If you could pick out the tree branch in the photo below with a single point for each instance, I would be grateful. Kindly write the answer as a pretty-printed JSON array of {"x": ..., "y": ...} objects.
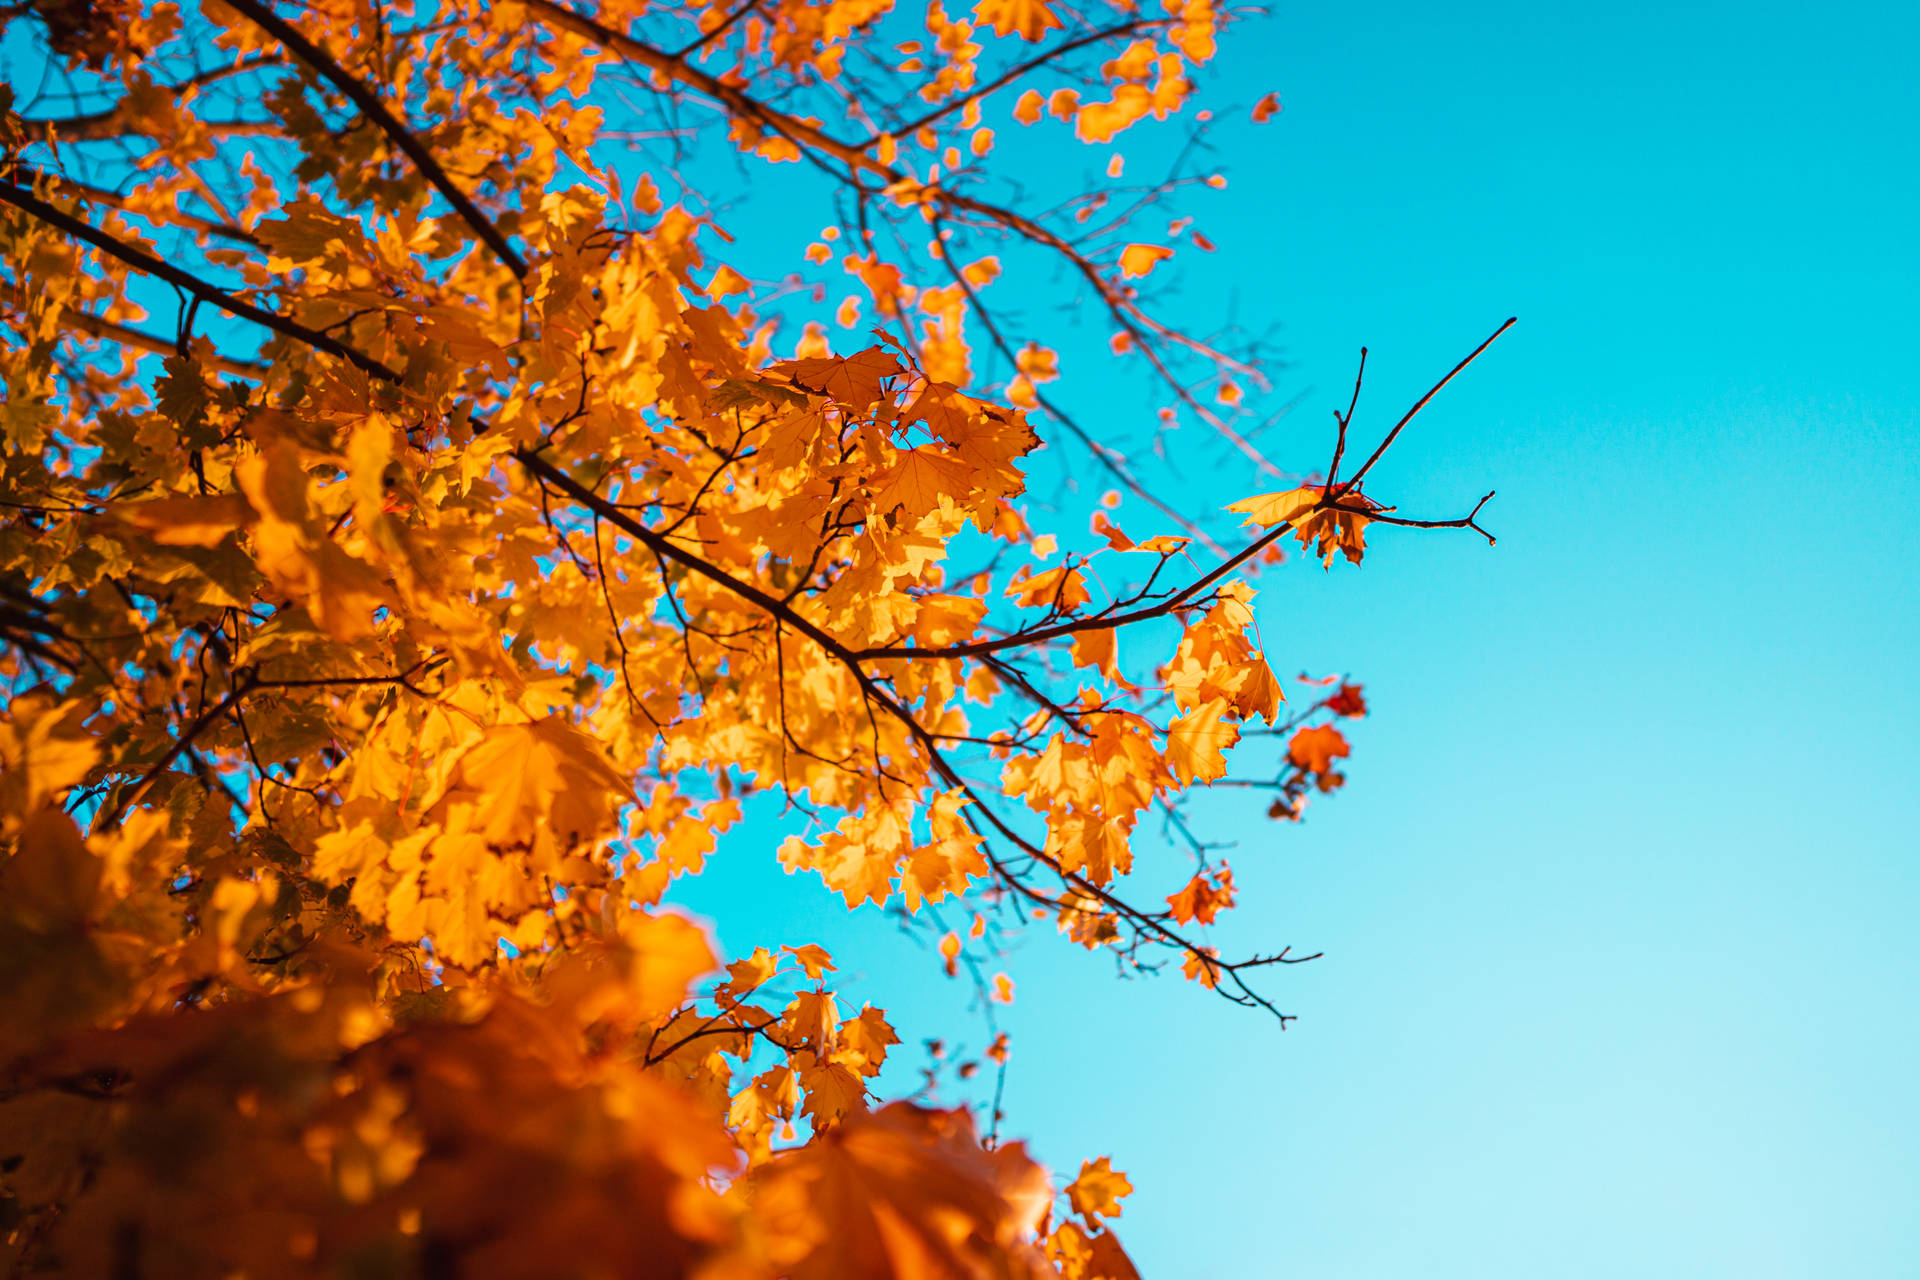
[
  {"x": 141, "y": 260},
  {"x": 373, "y": 109},
  {"x": 119, "y": 120},
  {"x": 126, "y": 204},
  {"x": 110, "y": 331},
  {"x": 1410, "y": 414},
  {"x": 1127, "y": 313}
]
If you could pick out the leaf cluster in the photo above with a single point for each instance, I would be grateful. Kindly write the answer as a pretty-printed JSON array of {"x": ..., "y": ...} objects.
[{"x": 389, "y": 632}]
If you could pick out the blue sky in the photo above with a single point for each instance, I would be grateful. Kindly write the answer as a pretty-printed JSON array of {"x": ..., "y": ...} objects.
[{"x": 1618, "y": 903}]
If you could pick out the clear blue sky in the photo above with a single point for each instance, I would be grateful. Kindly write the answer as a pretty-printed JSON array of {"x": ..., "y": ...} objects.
[{"x": 1619, "y": 904}]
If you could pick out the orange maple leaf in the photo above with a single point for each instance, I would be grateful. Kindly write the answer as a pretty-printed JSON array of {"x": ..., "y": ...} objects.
[
  {"x": 813, "y": 958},
  {"x": 1204, "y": 897},
  {"x": 832, "y": 1091},
  {"x": 1316, "y": 749},
  {"x": 920, "y": 479},
  {"x": 1062, "y": 587},
  {"x": 726, "y": 282},
  {"x": 1028, "y": 19},
  {"x": 855, "y": 381},
  {"x": 1137, "y": 260},
  {"x": 1201, "y": 966},
  {"x": 864, "y": 1041},
  {"x": 1338, "y": 528},
  {"x": 1097, "y": 1192}
]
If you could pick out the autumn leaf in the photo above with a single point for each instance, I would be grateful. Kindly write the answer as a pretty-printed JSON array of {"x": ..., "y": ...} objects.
[
  {"x": 1028, "y": 19},
  {"x": 44, "y": 750},
  {"x": 1315, "y": 749},
  {"x": 1098, "y": 649},
  {"x": 403, "y": 622},
  {"x": 864, "y": 1041},
  {"x": 812, "y": 1022},
  {"x": 1080, "y": 1254},
  {"x": 1202, "y": 967},
  {"x": 1339, "y": 528},
  {"x": 1137, "y": 260},
  {"x": 1266, "y": 109},
  {"x": 726, "y": 282},
  {"x": 919, "y": 480},
  {"x": 831, "y": 1091},
  {"x": 663, "y": 956},
  {"x": 813, "y": 959},
  {"x": 1117, "y": 539},
  {"x": 532, "y": 784},
  {"x": 1347, "y": 702},
  {"x": 1097, "y": 1192},
  {"x": 307, "y": 231},
  {"x": 1196, "y": 741},
  {"x": 792, "y": 437},
  {"x": 1271, "y": 509},
  {"x": 749, "y": 975},
  {"x": 904, "y": 1192},
  {"x": 856, "y": 381},
  {"x": 1061, "y": 589},
  {"x": 1204, "y": 897}
]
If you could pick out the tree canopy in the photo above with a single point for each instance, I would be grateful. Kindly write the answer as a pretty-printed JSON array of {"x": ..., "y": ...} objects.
[{"x": 419, "y": 543}]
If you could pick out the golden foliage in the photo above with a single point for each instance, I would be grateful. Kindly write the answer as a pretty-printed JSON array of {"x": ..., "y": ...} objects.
[{"x": 390, "y": 630}]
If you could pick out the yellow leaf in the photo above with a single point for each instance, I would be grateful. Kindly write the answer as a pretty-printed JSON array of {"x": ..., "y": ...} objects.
[
  {"x": 1196, "y": 741},
  {"x": 750, "y": 974},
  {"x": 726, "y": 282},
  {"x": 1338, "y": 528},
  {"x": 813, "y": 958},
  {"x": 544, "y": 784},
  {"x": 1204, "y": 897},
  {"x": 1061, "y": 589},
  {"x": 1097, "y": 1192}
]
